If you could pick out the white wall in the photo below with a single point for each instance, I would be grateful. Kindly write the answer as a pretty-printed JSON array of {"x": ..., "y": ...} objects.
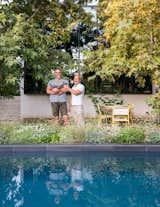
[
  {"x": 9, "y": 108},
  {"x": 38, "y": 106},
  {"x": 140, "y": 103},
  {"x": 33, "y": 106}
]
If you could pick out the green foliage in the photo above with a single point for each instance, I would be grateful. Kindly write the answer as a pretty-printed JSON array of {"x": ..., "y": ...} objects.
[
  {"x": 5, "y": 132},
  {"x": 100, "y": 135},
  {"x": 94, "y": 135},
  {"x": 30, "y": 33},
  {"x": 37, "y": 133},
  {"x": 50, "y": 138},
  {"x": 154, "y": 137},
  {"x": 130, "y": 136},
  {"x": 131, "y": 31},
  {"x": 28, "y": 134},
  {"x": 108, "y": 101},
  {"x": 71, "y": 134},
  {"x": 152, "y": 133},
  {"x": 154, "y": 102}
]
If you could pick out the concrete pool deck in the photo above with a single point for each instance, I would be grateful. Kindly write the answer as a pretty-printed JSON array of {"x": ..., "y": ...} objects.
[{"x": 79, "y": 148}]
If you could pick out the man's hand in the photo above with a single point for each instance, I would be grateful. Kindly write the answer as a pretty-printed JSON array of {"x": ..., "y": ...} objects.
[
  {"x": 51, "y": 90},
  {"x": 75, "y": 92},
  {"x": 65, "y": 88},
  {"x": 55, "y": 90},
  {"x": 60, "y": 93}
]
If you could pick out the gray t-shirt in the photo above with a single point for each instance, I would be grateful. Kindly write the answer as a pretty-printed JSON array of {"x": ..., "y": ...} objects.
[{"x": 57, "y": 84}]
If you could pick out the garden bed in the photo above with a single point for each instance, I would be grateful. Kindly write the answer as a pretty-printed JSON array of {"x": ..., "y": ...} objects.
[{"x": 47, "y": 133}]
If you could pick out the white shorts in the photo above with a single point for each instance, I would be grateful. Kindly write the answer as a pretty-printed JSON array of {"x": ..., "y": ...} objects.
[{"x": 78, "y": 115}]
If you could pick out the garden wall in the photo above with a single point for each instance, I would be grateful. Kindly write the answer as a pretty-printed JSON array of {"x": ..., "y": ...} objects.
[
  {"x": 38, "y": 106},
  {"x": 10, "y": 108},
  {"x": 33, "y": 106}
]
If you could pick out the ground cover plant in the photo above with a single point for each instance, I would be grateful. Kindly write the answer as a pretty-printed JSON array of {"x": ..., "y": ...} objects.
[{"x": 46, "y": 132}]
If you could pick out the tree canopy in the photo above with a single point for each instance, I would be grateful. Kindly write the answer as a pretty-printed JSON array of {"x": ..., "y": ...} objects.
[
  {"x": 131, "y": 31},
  {"x": 31, "y": 31}
]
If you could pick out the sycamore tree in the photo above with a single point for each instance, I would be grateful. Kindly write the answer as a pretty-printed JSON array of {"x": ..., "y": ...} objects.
[
  {"x": 131, "y": 31},
  {"x": 31, "y": 33}
]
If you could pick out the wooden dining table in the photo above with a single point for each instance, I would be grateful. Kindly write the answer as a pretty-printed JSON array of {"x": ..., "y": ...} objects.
[
  {"x": 110, "y": 107},
  {"x": 108, "y": 110}
]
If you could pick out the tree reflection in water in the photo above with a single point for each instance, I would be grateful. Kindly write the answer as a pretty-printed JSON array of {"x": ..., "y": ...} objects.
[{"x": 80, "y": 181}]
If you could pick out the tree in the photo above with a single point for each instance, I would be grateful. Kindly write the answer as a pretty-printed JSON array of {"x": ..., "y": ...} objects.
[
  {"x": 131, "y": 32},
  {"x": 30, "y": 33}
]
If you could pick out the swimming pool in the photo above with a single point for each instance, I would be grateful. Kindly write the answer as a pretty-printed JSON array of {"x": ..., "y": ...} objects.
[{"x": 80, "y": 180}]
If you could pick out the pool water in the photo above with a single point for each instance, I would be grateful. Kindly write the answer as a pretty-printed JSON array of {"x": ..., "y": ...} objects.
[{"x": 75, "y": 180}]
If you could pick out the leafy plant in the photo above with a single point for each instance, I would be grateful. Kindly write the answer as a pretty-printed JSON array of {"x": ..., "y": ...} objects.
[
  {"x": 94, "y": 135},
  {"x": 129, "y": 136},
  {"x": 71, "y": 134},
  {"x": 36, "y": 133},
  {"x": 5, "y": 134},
  {"x": 30, "y": 34},
  {"x": 154, "y": 137},
  {"x": 131, "y": 40},
  {"x": 105, "y": 100},
  {"x": 154, "y": 102},
  {"x": 49, "y": 138}
]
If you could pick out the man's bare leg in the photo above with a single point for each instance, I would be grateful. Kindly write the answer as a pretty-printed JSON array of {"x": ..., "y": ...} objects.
[
  {"x": 56, "y": 120},
  {"x": 65, "y": 120}
]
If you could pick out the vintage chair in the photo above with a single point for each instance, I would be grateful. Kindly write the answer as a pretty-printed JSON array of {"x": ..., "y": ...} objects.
[
  {"x": 103, "y": 114},
  {"x": 121, "y": 114},
  {"x": 108, "y": 112},
  {"x": 131, "y": 107}
]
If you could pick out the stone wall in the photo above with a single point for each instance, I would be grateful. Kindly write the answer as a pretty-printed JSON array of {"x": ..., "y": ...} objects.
[
  {"x": 38, "y": 106},
  {"x": 10, "y": 108}
]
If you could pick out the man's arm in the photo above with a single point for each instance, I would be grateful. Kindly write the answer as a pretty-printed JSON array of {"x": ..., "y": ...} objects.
[
  {"x": 50, "y": 90},
  {"x": 75, "y": 92},
  {"x": 64, "y": 88},
  {"x": 60, "y": 92},
  {"x": 55, "y": 91}
]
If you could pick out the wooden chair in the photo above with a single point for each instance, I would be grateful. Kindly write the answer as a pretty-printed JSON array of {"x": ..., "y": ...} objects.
[
  {"x": 121, "y": 114},
  {"x": 131, "y": 107},
  {"x": 101, "y": 115},
  {"x": 108, "y": 112}
]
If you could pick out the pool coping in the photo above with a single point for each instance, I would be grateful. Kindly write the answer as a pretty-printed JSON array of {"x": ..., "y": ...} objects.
[{"x": 80, "y": 148}]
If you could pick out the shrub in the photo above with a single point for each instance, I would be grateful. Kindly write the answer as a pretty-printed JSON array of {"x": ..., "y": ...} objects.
[
  {"x": 154, "y": 102},
  {"x": 100, "y": 135},
  {"x": 71, "y": 134},
  {"x": 50, "y": 138},
  {"x": 5, "y": 134},
  {"x": 4, "y": 139},
  {"x": 28, "y": 134},
  {"x": 94, "y": 135},
  {"x": 129, "y": 136},
  {"x": 154, "y": 137},
  {"x": 36, "y": 133}
]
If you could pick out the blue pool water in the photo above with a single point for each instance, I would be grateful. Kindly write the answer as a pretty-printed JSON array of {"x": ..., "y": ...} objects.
[{"x": 91, "y": 180}]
